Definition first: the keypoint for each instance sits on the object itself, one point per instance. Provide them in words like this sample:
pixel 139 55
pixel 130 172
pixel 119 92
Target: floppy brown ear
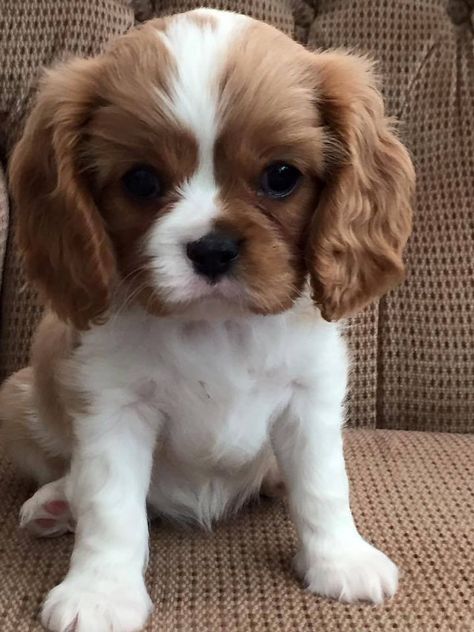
pixel 363 219
pixel 60 232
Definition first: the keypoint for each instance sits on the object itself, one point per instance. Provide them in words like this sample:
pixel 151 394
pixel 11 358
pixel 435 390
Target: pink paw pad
pixel 57 507
pixel 47 518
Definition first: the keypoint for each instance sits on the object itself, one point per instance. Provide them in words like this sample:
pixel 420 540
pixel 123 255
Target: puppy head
pixel 207 156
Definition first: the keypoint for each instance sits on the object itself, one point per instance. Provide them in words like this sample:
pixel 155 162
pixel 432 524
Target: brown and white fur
pixel 151 384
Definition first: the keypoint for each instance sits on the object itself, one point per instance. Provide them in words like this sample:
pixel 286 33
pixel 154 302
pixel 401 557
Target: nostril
pixel 228 252
pixel 214 254
pixel 195 252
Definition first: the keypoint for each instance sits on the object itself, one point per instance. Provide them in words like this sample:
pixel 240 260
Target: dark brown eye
pixel 279 180
pixel 142 182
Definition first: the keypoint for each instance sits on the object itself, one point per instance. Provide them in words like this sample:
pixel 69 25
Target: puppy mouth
pixel 224 288
pixel 201 299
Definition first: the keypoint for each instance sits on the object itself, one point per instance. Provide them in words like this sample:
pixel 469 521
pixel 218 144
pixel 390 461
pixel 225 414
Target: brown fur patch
pixel 152 137
pixel 348 223
pixel 61 236
pixel 55 397
pixel 363 221
pixel 20 427
pixel 94 119
pixel 36 404
pixel 275 121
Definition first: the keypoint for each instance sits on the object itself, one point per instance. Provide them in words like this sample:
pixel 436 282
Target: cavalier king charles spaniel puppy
pixel 197 206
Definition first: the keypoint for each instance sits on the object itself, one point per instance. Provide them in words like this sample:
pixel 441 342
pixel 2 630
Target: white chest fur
pixel 213 385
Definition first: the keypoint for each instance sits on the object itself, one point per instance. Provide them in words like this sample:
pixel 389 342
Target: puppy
pixel 196 206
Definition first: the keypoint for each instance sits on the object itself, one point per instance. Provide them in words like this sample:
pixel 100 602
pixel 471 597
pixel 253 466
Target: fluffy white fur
pixel 197 405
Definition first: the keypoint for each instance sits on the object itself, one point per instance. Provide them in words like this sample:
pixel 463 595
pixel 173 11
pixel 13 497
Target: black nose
pixel 214 254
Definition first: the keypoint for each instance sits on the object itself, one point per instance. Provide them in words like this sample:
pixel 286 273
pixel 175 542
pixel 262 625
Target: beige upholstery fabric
pixel 277 12
pixel 3 221
pixel 425 365
pixel 292 16
pixel 412 495
pixel 35 33
pixel 361 333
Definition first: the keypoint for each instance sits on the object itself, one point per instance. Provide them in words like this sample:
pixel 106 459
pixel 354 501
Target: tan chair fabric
pixel 412 495
pixel 425 362
pixel 277 12
pixel 3 221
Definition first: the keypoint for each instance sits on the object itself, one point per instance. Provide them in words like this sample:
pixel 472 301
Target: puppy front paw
pixel 348 572
pixel 46 516
pixel 95 603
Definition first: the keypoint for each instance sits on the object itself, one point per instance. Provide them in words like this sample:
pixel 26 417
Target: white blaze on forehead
pixel 199 50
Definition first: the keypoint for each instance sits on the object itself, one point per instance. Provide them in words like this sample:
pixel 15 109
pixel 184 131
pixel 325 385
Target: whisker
pixel 129 297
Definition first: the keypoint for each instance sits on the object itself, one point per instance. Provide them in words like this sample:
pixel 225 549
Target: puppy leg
pixel 334 560
pixel 47 512
pixel 107 488
pixel 21 430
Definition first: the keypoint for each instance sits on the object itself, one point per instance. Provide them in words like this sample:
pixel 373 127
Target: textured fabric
pixel 426 378
pixel 292 16
pixel 34 34
pixel 412 496
pixel 3 222
pixel 303 14
pixel 425 364
pixel 360 333
pixel 277 12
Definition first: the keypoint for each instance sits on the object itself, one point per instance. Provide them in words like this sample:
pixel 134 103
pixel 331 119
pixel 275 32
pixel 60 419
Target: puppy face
pixel 204 157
